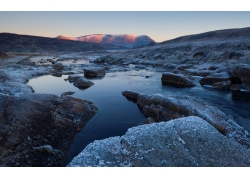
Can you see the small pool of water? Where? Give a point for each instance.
(116, 114)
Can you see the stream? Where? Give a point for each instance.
(116, 114)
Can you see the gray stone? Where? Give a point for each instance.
(164, 108)
(83, 82)
(73, 77)
(178, 80)
(222, 85)
(94, 72)
(185, 142)
(214, 78)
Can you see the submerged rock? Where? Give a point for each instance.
(178, 80)
(37, 129)
(83, 83)
(164, 108)
(94, 72)
(183, 142)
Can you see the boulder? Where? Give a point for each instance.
(243, 72)
(58, 66)
(245, 86)
(83, 83)
(222, 85)
(214, 78)
(184, 142)
(164, 108)
(73, 77)
(177, 80)
(67, 93)
(38, 129)
(94, 72)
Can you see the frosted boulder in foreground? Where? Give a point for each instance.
(164, 108)
(188, 141)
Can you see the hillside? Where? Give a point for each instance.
(25, 43)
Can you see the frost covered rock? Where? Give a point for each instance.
(83, 83)
(178, 80)
(243, 72)
(183, 142)
(164, 108)
(94, 72)
(214, 78)
(222, 85)
(37, 129)
(58, 66)
(73, 77)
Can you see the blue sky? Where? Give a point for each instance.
(159, 25)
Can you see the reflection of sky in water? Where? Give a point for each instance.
(116, 114)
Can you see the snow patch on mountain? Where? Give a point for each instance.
(127, 40)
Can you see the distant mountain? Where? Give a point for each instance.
(25, 43)
(126, 40)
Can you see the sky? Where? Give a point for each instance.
(159, 25)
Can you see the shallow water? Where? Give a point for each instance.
(116, 114)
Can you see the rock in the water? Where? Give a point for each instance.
(235, 87)
(243, 72)
(164, 108)
(73, 77)
(133, 95)
(178, 80)
(37, 129)
(83, 83)
(222, 85)
(58, 66)
(57, 74)
(94, 72)
(67, 93)
(185, 142)
(214, 78)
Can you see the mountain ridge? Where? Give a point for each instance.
(126, 40)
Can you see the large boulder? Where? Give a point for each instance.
(164, 108)
(83, 83)
(243, 72)
(37, 129)
(177, 80)
(214, 78)
(183, 142)
(94, 72)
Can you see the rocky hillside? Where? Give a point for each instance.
(126, 40)
(25, 43)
